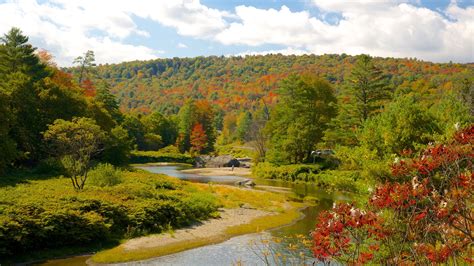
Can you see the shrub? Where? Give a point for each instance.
(423, 216)
(105, 175)
(49, 166)
(294, 172)
(158, 156)
(142, 203)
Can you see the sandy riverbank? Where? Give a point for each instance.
(208, 229)
(223, 171)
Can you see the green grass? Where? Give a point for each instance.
(268, 222)
(48, 215)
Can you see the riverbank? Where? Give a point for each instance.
(245, 212)
(222, 171)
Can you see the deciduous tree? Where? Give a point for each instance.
(75, 142)
(299, 119)
(198, 138)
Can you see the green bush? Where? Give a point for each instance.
(351, 181)
(236, 150)
(293, 172)
(105, 175)
(49, 166)
(158, 156)
(42, 214)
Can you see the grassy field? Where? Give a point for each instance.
(42, 216)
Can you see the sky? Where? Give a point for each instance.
(120, 30)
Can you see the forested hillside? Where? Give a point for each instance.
(233, 83)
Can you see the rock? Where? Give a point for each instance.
(216, 161)
(245, 182)
(232, 162)
(246, 206)
(249, 183)
(241, 182)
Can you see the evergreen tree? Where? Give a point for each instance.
(21, 74)
(364, 95)
(85, 62)
(17, 55)
(108, 100)
(367, 88)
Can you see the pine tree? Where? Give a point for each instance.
(21, 80)
(367, 88)
(364, 95)
(17, 55)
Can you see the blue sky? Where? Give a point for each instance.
(120, 30)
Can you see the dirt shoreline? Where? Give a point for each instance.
(223, 171)
(207, 229)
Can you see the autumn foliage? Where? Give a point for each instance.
(425, 217)
(198, 138)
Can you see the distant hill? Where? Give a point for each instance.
(241, 82)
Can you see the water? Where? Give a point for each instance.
(245, 249)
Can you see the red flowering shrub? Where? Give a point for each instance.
(425, 217)
(348, 233)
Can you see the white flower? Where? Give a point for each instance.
(414, 182)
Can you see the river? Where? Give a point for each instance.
(245, 249)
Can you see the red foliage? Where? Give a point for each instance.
(198, 138)
(432, 212)
(89, 88)
(341, 226)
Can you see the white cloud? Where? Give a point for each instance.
(188, 17)
(395, 28)
(182, 45)
(399, 28)
(68, 29)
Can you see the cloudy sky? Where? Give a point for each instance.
(121, 30)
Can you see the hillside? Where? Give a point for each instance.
(234, 83)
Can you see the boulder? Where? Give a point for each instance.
(246, 183)
(216, 161)
(249, 183)
(232, 162)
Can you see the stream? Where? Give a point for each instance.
(244, 249)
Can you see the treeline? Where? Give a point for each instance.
(240, 83)
(47, 113)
